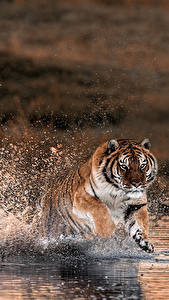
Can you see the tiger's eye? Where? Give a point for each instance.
(143, 166)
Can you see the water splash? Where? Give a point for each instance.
(26, 169)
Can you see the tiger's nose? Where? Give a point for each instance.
(136, 183)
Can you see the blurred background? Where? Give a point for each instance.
(90, 69)
(90, 65)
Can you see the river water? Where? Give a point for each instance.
(100, 274)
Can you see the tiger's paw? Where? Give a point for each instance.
(144, 245)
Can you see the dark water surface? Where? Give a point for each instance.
(78, 277)
(116, 279)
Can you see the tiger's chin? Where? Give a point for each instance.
(135, 194)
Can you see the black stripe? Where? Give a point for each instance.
(72, 179)
(150, 161)
(109, 181)
(93, 189)
(76, 224)
(111, 167)
(114, 177)
(49, 215)
(117, 169)
(151, 157)
(61, 211)
(69, 217)
(128, 154)
(131, 225)
(132, 208)
(104, 172)
(64, 218)
(78, 171)
(151, 179)
(88, 228)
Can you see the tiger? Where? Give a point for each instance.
(107, 190)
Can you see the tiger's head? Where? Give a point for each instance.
(123, 166)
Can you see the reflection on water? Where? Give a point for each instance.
(154, 276)
(97, 280)
(73, 278)
(154, 279)
(160, 233)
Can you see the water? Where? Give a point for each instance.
(116, 279)
(94, 280)
(97, 274)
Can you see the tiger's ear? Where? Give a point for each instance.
(112, 146)
(146, 144)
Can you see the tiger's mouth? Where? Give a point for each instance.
(133, 189)
(133, 192)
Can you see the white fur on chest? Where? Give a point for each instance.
(115, 199)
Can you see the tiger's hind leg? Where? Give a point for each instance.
(138, 229)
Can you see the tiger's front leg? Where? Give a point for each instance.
(88, 207)
(138, 229)
(143, 244)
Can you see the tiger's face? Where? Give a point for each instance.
(125, 165)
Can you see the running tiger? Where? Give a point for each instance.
(109, 188)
